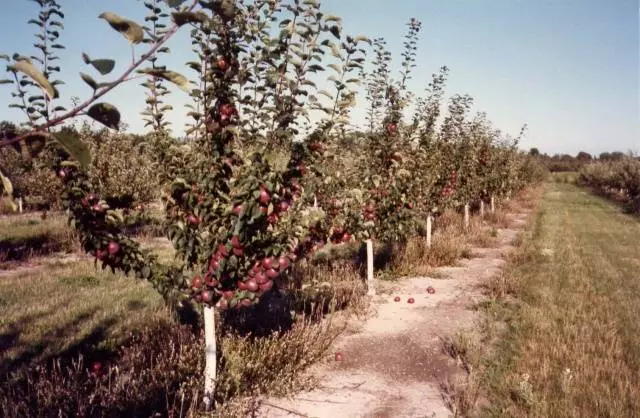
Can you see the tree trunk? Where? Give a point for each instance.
(429, 227)
(466, 215)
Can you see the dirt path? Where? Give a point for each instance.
(393, 363)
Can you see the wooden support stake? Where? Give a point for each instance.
(371, 290)
(210, 356)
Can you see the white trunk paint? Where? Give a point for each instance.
(429, 226)
(371, 290)
(210, 356)
(466, 215)
(493, 204)
(20, 204)
(482, 208)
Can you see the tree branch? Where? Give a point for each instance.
(43, 129)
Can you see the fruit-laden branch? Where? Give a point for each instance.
(76, 110)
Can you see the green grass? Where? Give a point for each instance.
(52, 311)
(570, 302)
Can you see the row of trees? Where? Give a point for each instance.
(620, 177)
(566, 162)
(273, 167)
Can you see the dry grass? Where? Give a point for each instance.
(570, 301)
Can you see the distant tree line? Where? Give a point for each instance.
(566, 162)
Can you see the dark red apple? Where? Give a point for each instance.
(222, 63)
(222, 250)
(338, 356)
(283, 206)
(101, 254)
(396, 299)
(273, 218)
(238, 252)
(245, 303)
(96, 366)
(431, 290)
(241, 285)
(227, 294)
(227, 110)
(410, 300)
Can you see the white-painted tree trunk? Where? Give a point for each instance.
(210, 356)
(466, 215)
(371, 290)
(429, 227)
(315, 201)
(493, 204)
(20, 204)
(482, 209)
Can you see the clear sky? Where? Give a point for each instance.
(567, 68)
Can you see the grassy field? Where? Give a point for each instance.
(566, 314)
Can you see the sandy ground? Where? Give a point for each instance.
(393, 363)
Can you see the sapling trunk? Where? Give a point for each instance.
(210, 356)
(370, 287)
(493, 204)
(482, 208)
(429, 226)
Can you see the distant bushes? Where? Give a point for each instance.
(620, 178)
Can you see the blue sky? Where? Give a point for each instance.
(567, 68)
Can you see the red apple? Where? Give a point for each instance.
(272, 274)
(211, 281)
(196, 282)
(222, 63)
(193, 219)
(283, 206)
(431, 290)
(245, 303)
(302, 169)
(62, 173)
(235, 242)
(396, 299)
(273, 218)
(267, 263)
(241, 285)
(113, 248)
(237, 210)
(264, 197)
(227, 294)
(206, 296)
(265, 287)
(252, 285)
(410, 300)
(283, 262)
(227, 110)
(238, 252)
(261, 278)
(222, 250)
(338, 356)
(96, 366)
(101, 254)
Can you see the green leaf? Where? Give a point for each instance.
(128, 28)
(104, 66)
(89, 80)
(77, 148)
(182, 18)
(174, 3)
(25, 66)
(106, 114)
(172, 76)
(335, 31)
(7, 187)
